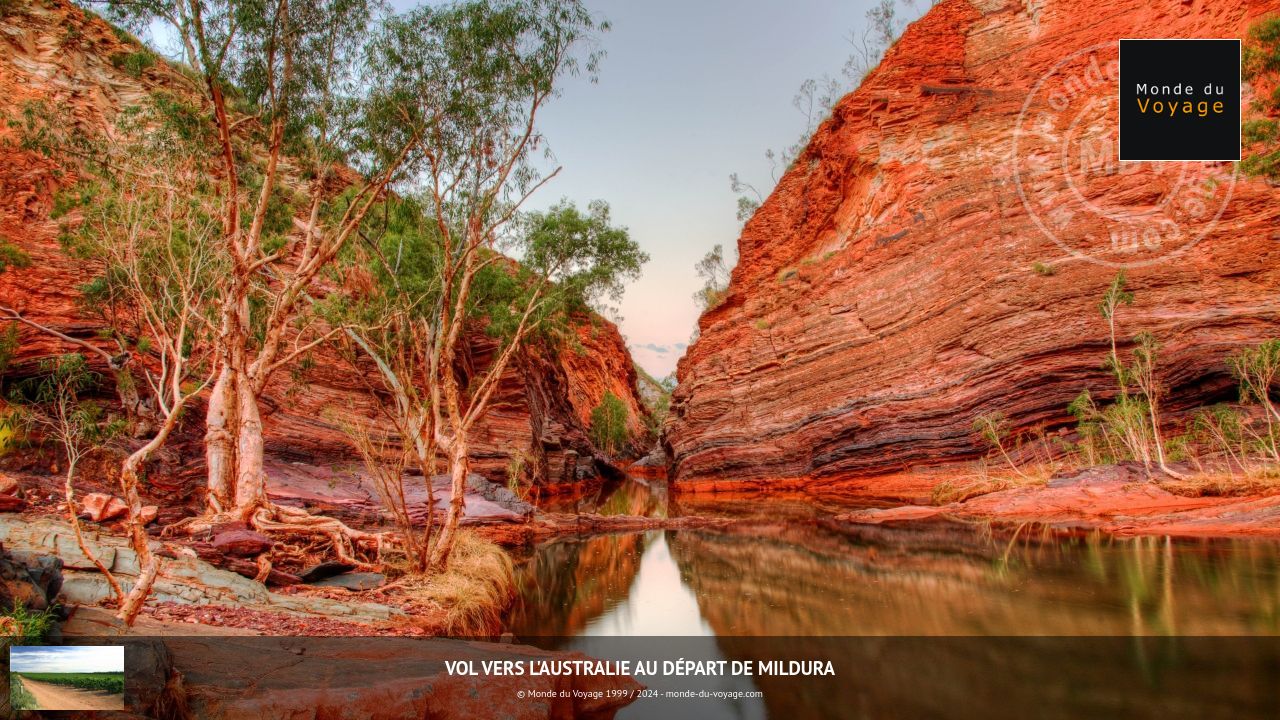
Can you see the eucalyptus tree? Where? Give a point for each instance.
(56, 402)
(152, 237)
(442, 100)
(283, 84)
(144, 227)
(569, 260)
(477, 75)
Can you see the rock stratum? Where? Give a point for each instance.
(55, 53)
(939, 249)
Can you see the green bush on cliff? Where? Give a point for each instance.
(1261, 56)
(12, 256)
(134, 63)
(609, 423)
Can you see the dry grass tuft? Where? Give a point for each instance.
(1259, 480)
(472, 594)
(984, 482)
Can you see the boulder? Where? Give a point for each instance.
(499, 495)
(11, 503)
(316, 573)
(29, 579)
(148, 514)
(8, 485)
(242, 543)
(354, 581)
(101, 507)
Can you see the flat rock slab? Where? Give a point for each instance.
(354, 581)
(486, 502)
(183, 579)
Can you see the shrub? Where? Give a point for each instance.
(134, 63)
(27, 624)
(1257, 369)
(1044, 269)
(609, 424)
(994, 429)
(12, 256)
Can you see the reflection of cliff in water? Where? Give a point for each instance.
(568, 583)
(955, 580)
(784, 594)
(624, 496)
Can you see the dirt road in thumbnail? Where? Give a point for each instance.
(59, 697)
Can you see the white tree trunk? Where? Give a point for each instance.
(220, 442)
(251, 491)
(459, 468)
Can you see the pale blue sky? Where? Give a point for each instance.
(688, 93)
(66, 658)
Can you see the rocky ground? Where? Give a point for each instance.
(1121, 500)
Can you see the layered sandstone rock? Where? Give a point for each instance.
(924, 261)
(53, 53)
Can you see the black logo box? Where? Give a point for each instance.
(1188, 65)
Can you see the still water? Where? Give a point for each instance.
(787, 574)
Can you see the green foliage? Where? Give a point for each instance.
(1115, 296)
(134, 63)
(1044, 269)
(571, 260)
(1257, 369)
(714, 272)
(583, 254)
(1220, 428)
(28, 626)
(609, 423)
(1262, 57)
(993, 427)
(57, 396)
(109, 682)
(183, 121)
(12, 256)
(8, 346)
(19, 698)
(64, 374)
(656, 395)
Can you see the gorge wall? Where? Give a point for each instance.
(56, 53)
(939, 249)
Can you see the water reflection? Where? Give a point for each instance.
(790, 575)
(792, 584)
(628, 496)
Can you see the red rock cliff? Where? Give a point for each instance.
(54, 53)
(924, 261)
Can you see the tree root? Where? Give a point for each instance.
(283, 520)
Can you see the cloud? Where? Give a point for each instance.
(66, 658)
(654, 347)
(681, 346)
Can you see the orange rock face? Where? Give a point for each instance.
(52, 52)
(939, 250)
